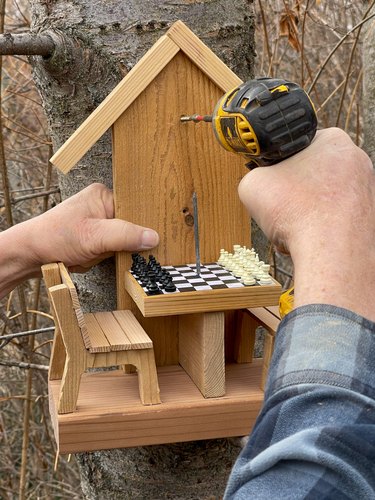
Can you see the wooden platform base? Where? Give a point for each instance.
(110, 415)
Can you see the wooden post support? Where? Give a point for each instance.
(201, 351)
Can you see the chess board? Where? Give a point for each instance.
(212, 277)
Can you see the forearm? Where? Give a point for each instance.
(81, 231)
(315, 435)
(335, 264)
(17, 261)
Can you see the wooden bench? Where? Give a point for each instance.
(251, 319)
(269, 318)
(94, 340)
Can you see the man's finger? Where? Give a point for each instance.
(115, 235)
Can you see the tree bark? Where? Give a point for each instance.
(97, 44)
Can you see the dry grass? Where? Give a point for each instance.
(294, 39)
(312, 42)
(27, 149)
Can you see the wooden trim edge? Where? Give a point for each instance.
(121, 97)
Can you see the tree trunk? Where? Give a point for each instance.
(369, 89)
(99, 42)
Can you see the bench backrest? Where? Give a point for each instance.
(57, 274)
(67, 280)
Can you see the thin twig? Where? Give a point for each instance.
(3, 166)
(317, 97)
(357, 126)
(21, 364)
(32, 196)
(26, 419)
(29, 134)
(5, 339)
(352, 98)
(317, 76)
(266, 40)
(350, 64)
(31, 188)
(39, 313)
(303, 43)
(27, 21)
(334, 91)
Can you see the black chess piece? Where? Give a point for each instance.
(143, 278)
(151, 276)
(159, 275)
(152, 288)
(166, 278)
(170, 286)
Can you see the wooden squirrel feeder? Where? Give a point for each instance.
(202, 342)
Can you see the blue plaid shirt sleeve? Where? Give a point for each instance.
(315, 436)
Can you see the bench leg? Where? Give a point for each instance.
(269, 340)
(69, 388)
(128, 368)
(58, 356)
(245, 334)
(144, 361)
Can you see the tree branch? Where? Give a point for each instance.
(5, 339)
(21, 364)
(27, 44)
(41, 194)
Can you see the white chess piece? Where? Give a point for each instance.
(249, 281)
(265, 279)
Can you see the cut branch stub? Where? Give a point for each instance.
(27, 44)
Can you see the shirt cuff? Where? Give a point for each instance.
(324, 344)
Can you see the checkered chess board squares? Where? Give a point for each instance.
(212, 277)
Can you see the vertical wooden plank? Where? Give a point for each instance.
(67, 280)
(244, 337)
(76, 353)
(201, 348)
(158, 162)
(156, 174)
(51, 276)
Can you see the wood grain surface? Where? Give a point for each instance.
(110, 415)
(222, 299)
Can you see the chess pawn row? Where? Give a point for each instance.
(242, 261)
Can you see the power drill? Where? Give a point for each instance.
(266, 120)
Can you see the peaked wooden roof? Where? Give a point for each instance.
(178, 37)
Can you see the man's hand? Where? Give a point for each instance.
(319, 206)
(80, 231)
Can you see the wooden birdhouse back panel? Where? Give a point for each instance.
(159, 162)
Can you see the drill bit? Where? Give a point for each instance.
(196, 118)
